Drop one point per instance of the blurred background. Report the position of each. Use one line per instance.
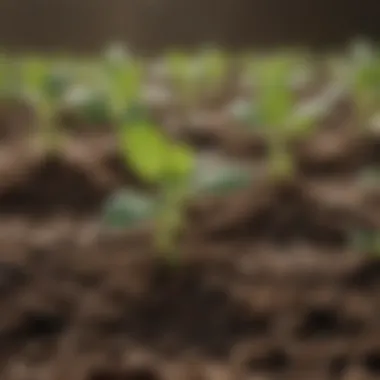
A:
(151, 25)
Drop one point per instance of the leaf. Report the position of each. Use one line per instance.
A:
(180, 161)
(135, 112)
(178, 63)
(146, 150)
(274, 106)
(244, 111)
(220, 178)
(96, 110)
(128, 81)
(214, 65)
(275, 98)
(56, 84)
(154, 155)
(125, 74)
(127, 209)
(34, 73)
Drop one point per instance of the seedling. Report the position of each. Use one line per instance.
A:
(275, 108)
(363, 73)
(213, 66)
(172, 168)
(185, 74)
(125, 75)
(44, 84)
(165, 164)
(92, 105)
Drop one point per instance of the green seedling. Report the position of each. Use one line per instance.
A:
(165, 164)
(363, 77)
(184, 74)
(125, 75)
(44, 84)
(172, 168)
(193, 75)
(128, 209)
(219, 177)
(213, 67)
(275, 108)
(90, 104)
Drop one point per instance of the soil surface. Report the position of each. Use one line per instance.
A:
(268, 286)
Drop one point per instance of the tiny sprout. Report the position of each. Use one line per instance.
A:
(168, 165)
(172, 168)
(90, 104)
(127, 208)
(218, 177)
(364, 79)
(275, 108)
(186, 75)
(125, 75)
(44, 85)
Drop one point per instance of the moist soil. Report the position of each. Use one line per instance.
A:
(266, 284)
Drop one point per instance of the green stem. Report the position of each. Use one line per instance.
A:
(48, 128)
(170, 220)
(281, 160)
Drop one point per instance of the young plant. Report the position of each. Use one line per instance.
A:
(213, 68)
(168, 166)
(275, 108)
(44, 84)
(185, 75)
(363, 77)
(172, 168)
(125, 75)
(91, 104)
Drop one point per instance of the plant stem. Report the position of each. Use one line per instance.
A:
(281, 160)
(170, 220)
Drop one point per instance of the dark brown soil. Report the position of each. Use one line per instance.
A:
(268, 285)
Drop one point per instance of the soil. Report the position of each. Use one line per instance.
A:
(267, 286)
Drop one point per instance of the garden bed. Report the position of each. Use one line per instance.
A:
(279, 280)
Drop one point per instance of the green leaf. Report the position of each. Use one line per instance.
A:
(125, 74)
(127, 209)
(213, 64)
(96, 110)
(34, 73)
(180, 161)
(55, 84)
(134, 113)
(245, 112)
(153, 155)
(220, 178)
(146, 150)
(127, 81)
(274, 106)
(125, 78)
(178, 63)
